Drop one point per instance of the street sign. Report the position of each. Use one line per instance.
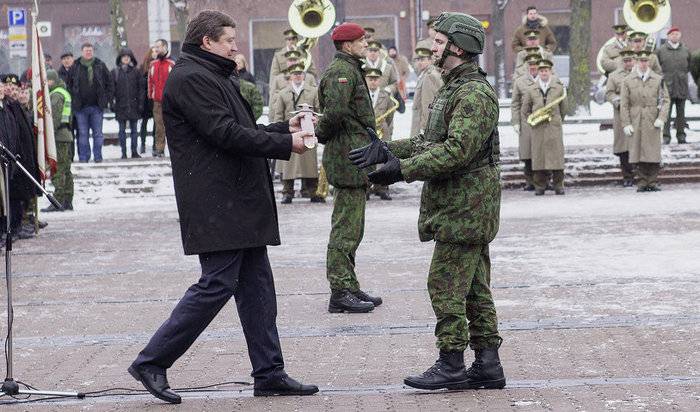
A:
(17, 32)
(44, 28)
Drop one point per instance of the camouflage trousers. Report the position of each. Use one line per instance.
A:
(347, 229)
(459, 288)
(63, 179)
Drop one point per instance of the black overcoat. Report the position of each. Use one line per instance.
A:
(223, 186)
(128, 89)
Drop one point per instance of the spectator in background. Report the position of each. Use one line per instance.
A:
(48, 61)
(674, 58)
(403, 67)
(128, 99)
(157, 76)
(66, 65)
(242, 67)
(91, 90)
(147, 113)
(533, 21)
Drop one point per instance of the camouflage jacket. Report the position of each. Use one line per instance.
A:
(347, 111)
(457, 157)
(251, 94)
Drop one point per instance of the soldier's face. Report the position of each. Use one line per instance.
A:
(225, 46)
(439, 43)
(372, 54)
(545, 73)
(357, 48)
(297, 78)
(637, 44)
(372, 83)
(643, 64)
(291, 42)
(532, 42)
(628, 63)
(532, 68)
(423, 62)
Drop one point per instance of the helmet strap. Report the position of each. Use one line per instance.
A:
(445, 53)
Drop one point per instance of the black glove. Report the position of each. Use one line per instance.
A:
(389, 173)
(372, 154)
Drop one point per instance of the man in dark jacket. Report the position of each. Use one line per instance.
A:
(227, 209)
(66, 66)
(91, 88)
(674, 58)
(128, 99)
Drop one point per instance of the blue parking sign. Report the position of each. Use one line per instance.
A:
(16, 17)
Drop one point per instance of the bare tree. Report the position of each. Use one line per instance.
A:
(499, 56)
(182, 15)
(119, 40)
(579, 99)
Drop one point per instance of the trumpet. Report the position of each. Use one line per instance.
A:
(544, 114)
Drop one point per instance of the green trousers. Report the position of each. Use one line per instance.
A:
(347, 229)
(460, 292)
(63, 179)
(648, 174)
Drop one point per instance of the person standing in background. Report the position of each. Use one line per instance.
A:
(128, 99)
(157, 76)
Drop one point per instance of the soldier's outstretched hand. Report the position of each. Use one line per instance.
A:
(389, 173)
(372, 154)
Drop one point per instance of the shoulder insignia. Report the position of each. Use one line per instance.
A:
(342, 80)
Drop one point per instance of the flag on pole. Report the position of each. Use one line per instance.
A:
(43, 121)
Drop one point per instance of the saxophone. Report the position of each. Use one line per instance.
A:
(379, 119)
(544, 114)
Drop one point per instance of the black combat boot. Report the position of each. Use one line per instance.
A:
(344, 301)
(384, 196)
(287, 199)
(376, 301)
(447, 373)
(486, 371)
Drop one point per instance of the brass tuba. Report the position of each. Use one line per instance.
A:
(311, 19)
(648, 16)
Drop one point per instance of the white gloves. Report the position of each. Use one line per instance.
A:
(616, 102)
(629, 130)
(659, 124)
(516, 127)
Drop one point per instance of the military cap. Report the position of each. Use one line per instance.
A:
(532, 34)
(620, 28)
(423, 52)
(430, 21)
(10, 78)
(463, 30)
(369, 30)
(627, 53)
(637, 35)
(67, 53)
(372, 72)
(643, 55)
(290, 34)
(292, 54)
(52, 75)
(295, 68)
(544, 63)
(374, 45)
(532, 50)
(533, 58)
(347, 32)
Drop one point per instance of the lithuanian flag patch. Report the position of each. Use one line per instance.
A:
(342, 80)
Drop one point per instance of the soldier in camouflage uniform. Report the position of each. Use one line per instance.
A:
(347, 112)
(457, 158)
(62, 180)
(252, 95)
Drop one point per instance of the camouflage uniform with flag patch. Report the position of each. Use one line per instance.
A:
(347, 111)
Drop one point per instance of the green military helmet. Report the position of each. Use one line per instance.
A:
(463, 30)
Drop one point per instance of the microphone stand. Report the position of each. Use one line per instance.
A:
(10, 387)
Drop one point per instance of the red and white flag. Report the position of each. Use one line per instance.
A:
(43, 121)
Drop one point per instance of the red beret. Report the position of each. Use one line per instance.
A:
(672, 29)
(347, 32)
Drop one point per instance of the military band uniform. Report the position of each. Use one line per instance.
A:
(547, 137)
(522, 54)
(675, 63)
(304, 166)
(520, 86)
(427, 86)
(643, 100)
(389, 74)
(381, 102)
(280, 82)
(279, 62)
(347, 112)
(611, 60)
(613, 89)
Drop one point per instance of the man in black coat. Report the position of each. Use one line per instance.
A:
(226, 204)
(128, 99)
(91, 88)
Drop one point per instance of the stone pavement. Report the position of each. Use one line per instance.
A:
(596, 293)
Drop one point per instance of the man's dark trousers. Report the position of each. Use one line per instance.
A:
(244, 274)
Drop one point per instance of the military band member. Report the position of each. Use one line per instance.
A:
(403, 68)
(522, 128)
(532, 41)
(644, 105)
(281, 80)
(279, 59)
(427, 42)
(675, 60)
(611, 53)
(547, 137)
(613, 88)
(347, 113)
(382, 103)
(427, 86)
(375, 60)
(637, 42)
(523, 69)
(299, 166)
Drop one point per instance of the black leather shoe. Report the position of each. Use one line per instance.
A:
(51, 208)
(653, 188)
(384, 196)
(642, 189)
(155, 383)
(344, 301)
(317, 199)
(376, 301)
(539, 192)
(486, 371)
(529, 188)
(283, 386)
(559, 191)
(287, 199)
(448, 372)
(135, 155)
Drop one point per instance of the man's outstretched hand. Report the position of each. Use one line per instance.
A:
(372, 154)
(389, 173)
